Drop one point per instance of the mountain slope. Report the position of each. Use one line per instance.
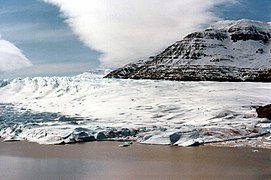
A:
(226, 51)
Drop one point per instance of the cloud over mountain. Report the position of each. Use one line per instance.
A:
(126, 30)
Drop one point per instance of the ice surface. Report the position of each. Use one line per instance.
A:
(87, 107)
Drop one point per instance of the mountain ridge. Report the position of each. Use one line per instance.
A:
(226, 51)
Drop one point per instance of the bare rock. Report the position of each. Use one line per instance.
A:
(264, 111)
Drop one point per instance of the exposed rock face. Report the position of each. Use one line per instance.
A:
(264, 111)
(3, 83)
(226, 51)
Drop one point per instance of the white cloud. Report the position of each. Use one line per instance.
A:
(11, 57)
(127, 30)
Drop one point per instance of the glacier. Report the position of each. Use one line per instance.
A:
(88, 107)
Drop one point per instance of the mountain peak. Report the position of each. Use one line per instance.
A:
(231, 50)
(227, 24)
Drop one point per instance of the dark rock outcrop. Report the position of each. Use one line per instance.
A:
(264, 111)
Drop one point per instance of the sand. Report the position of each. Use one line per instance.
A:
(106, 160)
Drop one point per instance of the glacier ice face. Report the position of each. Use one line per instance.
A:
(87, 107)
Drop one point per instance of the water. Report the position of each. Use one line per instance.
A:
(87, 107)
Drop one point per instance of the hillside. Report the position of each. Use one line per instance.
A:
(226, 51)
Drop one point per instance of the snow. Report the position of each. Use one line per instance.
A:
(241, 54)
(227, 24)
(235, 45)
(87, 107)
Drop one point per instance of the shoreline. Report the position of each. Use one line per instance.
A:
(105, 159)
(261, 141)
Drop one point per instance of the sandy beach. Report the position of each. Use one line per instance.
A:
(106, 160)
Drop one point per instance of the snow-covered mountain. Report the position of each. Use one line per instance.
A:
(226, 51)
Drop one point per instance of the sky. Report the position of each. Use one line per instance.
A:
(66, 37)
